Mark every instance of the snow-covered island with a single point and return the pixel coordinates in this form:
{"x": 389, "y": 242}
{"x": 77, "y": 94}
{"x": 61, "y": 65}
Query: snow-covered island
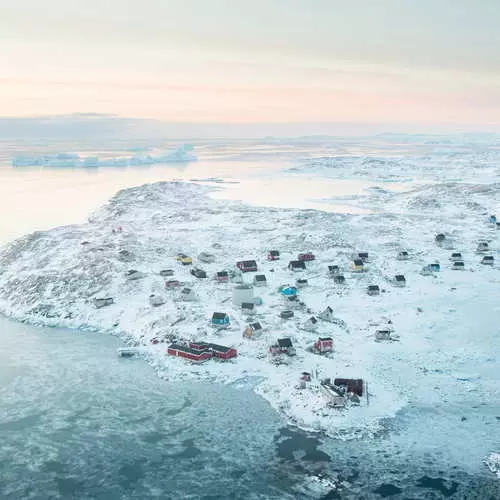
{"x": 121, "y": 273}
{"x": 180, "y": 154}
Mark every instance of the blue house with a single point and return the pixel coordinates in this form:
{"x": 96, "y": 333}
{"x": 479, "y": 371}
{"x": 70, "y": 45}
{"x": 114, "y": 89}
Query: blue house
{"x": 288, "y": 291}
{"x": 220, "y": 319}
{"x": 493, "y": 219}
{"x": 435, "y": 267}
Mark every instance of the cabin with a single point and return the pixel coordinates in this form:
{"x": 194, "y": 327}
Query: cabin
{"x": 133, "y": 274}
{"x": 357, "y": 266}
{"x": 220, "y": 319}
{"x": 283, "y": 346}
{"x": 273, "y": 255}
{"x": 327, "y": 315}
{"x": 363, "y": 256}
{"x": 242, "y": 293}
{"x": 186, "y": 352}
{"x": 288, "y": 291}
{"x": 206, "y": 257}
{"x": 439, "y": 238}
{"x": 260, "y": 280}
{"x": 286, "y": 314}
{"x": 223, "y": 352}
{"x": 339, "y": 279}
{"x": 301, "y": 283}
{"x": 198, "y": 273}
{"x": 399, "y": 280}
{"x": 248, "y": 308}
{"x": 297, "y": 265}
{"x": 253, "y": 330}
{"x": 247, "y": 266}
{"x": 458, "y": 265}
{"x": 403, "y": 255}
{"x": 373, "y": 290}
{"x": 306, "y": 257}
{"x": 222, "y": 277}
{"x": 456, "y": 256}
{"x": 354, "y": 385}
{"x": 311, "y": 325}
{"x": 188, "y": 294}
{"x": 488, "y": 260}
{"x": 323, "y": 345}
{"x": 492, "y": 219}
{"x": 435, "y": 267}
{"x": 333, "y": 270}
{"x": 103, "y": 302}
{"x": 172, "y": 284}
{"x": 482, "y": 246}
{"x": 156, "y": 300}
{"x": 166, "y": 272}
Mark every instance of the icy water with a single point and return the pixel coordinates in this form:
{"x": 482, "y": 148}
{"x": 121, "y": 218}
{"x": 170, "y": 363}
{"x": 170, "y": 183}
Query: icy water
{"x": 78, "y": 422}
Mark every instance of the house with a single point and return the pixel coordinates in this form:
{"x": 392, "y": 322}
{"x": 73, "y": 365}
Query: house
{"x": 339, "y": 279}
{"x": 220, "y": 319}
{"x": 482, "y": 246}
{"x": 246, "y": 266}
{"x": 399, "y": 280}
{"x": 172, "y": 284}
{"x": 288, "y": 291}
{"x": 103, "y": 302}
{"x": 363, "y": 256}
{"x": 456, "y": 256}
{"x": 439, "y": 238}
{"x": 385, "y": 335}
{"x": 493, "y": 219}
{"x": 166, "y": 272}
{"x": 354, "y": 385}
{"x": 286, "y": 314}
{"x": 324, "y": 344}
{"x": 403, "y": 255}
{"x": 198, "y": 273}
{"x": 311, "y": 325}
{"x": 458, "y": 265}
{"x": 133, "y": 274}
{"x": 305, "y": 376}
{"x": 327, "y": 315}
{"x": 284, "y": 346}
{"x": 156, "y": 300}
{"x": 426, "y": 271}
{"x": 259, "y": 280}
{"x": 297, "y": 265}
{"x": 488, "y": 260}
{"x": 301, "y": 283}
{"x": 248, "y": 308}
{"x": 222, "y": 352}
{"x": 184, "y": 259}
{"x": 333, "y": 270}
{"x": 357, "y": 266}
{"x": 373, "y": 290}
{"x": 273, "y": 255}
{"x": 252, "y": 330}
{"x": 188, "y": 294}
{"x": 435, "y": 267}
{"x": 242, "y": 293}
{"x": 186, "y": 352}
{"x": 206, "y": 257}
{"x": 222, "y": 277}
{"x": 307, "y": 256}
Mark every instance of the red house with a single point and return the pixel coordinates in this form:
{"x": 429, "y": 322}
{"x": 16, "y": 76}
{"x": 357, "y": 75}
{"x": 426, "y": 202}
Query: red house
{"x": 246, "y": 266}
{"x": 324, "y": 344}
{"x": 273, "y": 255}
{"x": 354, "y": 385}
{"x": 223, "y": 352}
{"x": 194, "y": 355}
{"x": 172, "y": 284}
{"x": 306, "y": 256}
{"x": 222, "y": 276}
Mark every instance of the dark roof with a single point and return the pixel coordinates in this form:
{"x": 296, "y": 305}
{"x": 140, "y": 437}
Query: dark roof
{"x": 328, "y": 309}
{"x": 256, "y": 326}
{"x": 286, "y": 342}
{"x": 400, "y": 277}
{"x": 363, "y": 254}
{"x": 331, "y": 268}
{"x": 403, "y": 252}
{"x": 373, "y": 287}
{"x": 247, "y": 305}
{"x": 302, "y": 280}
{"x": 184, "y": 348}
{"x": 274, "y": 252}
{"x": 260, "y": 277}
{"x": 456, "y": 254}
{"x": 313, "y": 320}
{"x": 358, "y": 262}
{"x": 339, "y": 278}
{"x": 285, "y": 314}
{"x": 217, "y": 315}
{"x": 488, "y": 257}
{"x": 222, "y": 273}
{"x": 325, "y": 338}
{"x": 248, "y": 263}
{"x": 297, "y": 263}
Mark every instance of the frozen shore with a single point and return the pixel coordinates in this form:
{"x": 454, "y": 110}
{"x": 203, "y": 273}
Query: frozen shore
{"x": 52, "y": 277}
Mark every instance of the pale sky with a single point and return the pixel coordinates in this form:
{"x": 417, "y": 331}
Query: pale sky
{"x": 239, "y": 61}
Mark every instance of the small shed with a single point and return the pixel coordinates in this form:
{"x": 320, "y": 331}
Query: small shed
{"x": 354, "y": 385}
{"x": 301, "y": 283}
{"x": 339, "y": 279}
{"x": 133, "y": 274}
{"x": 399, "y": 280}
{"x": 220, "y": 319}
{"x": 248, "y": 308}
{"x": 273, "y": 255}
{"x": 242, "y": 293}
{"x": 373, "y": 290}
{"x": 482, "y": 246}
{"x": 253, "y": 330}
{"x": 166, "y": 272}
{"x": 156, "y": 300}
{"x": 103, "y": 302}
{"x": 188, "y": 294}
{"x": 223, "y": 352}
{"x": 206, "y": 257}
{"x": 172, "y": 284}
{"x": 311, "y": 325}
{"x": 459, "y": 265}
{"x": 246, "y": 266}
{"x": 357, "y": 266}
{"x": 327, "y": 315}
{"x": 324, "y": 344}
{"x": 307, "y": 256}
{"x": 186, "y": 352}
{"x": 297, "y": 265}
{"x": 403, "y": 255}
{"x": 286, "y": 314}
{"x": 456, "y": 256}
{"x": 198, "y": 273}
{"x": 222, "y": 277}
{"x": 333, "y": 270}
{"x": 488, "y": 260}
{"x": 435, "y": 267}
{"x": 260, "y": 280}
{"x": 383, "y": 335}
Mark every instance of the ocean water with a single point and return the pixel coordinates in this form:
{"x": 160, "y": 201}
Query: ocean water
{"x": 78, "y": 422}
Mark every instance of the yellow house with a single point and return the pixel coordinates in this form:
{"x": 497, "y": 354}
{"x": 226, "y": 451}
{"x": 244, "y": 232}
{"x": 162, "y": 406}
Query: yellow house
{"x": 357, "y": 266}
{"x": 184, "y": 259}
